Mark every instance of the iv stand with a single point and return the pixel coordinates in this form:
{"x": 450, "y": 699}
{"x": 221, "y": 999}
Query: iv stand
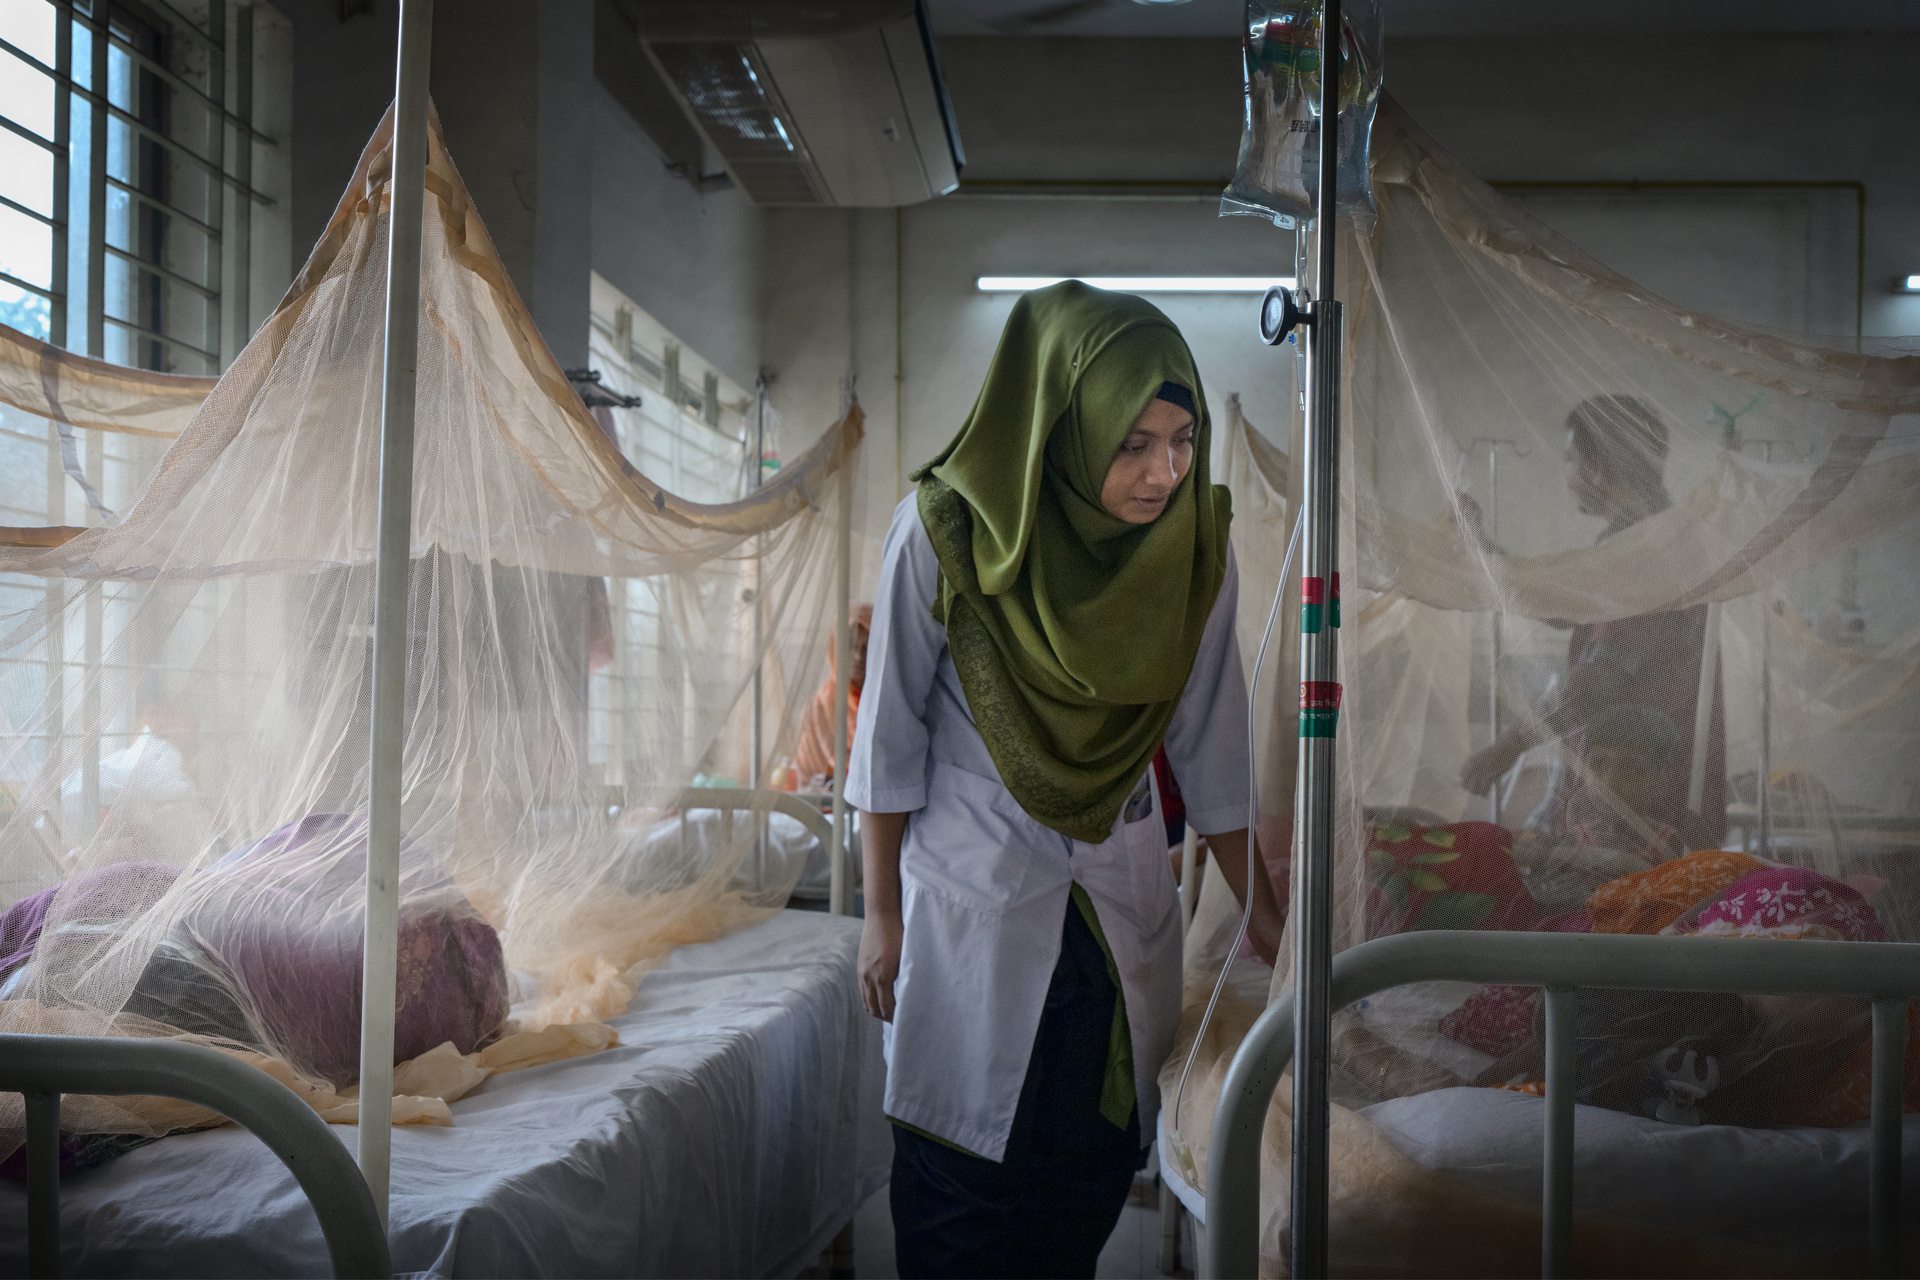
{"x": 1312, "y": 908}
{"x": 1500, "y": 791}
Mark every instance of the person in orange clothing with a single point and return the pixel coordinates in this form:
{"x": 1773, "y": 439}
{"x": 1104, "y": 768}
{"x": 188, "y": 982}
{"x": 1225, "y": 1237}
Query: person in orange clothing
{"x": 813, "y": 755}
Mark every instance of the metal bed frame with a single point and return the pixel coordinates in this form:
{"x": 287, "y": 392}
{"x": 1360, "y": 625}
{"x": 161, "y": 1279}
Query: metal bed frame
{"x": 43, "y": 1067}
{"x": 1886, "y": 973}
{"x": 733, "y": 801}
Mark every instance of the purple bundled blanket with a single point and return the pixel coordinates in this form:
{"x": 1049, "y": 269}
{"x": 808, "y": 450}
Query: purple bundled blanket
{"x": 269, "y": 954}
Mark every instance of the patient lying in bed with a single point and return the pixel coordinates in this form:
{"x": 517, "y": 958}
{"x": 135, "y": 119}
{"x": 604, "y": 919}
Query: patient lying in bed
{"x": 1758, "y": 1060}
{"x": 266, "y": 952}
{"x": 262, "y": 957}
{"x": 1755, "y": 1060}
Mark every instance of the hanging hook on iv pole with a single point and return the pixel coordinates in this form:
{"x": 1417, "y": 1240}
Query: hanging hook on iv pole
{"x": 1504, "y": 786}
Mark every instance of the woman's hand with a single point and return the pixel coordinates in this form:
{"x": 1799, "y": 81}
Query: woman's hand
{"x": 881, "y": 835}
{"x": 1265, "y": 932}
{"x": 1490, "y": 764}
{"x": 1471, "y": 525}
{"x": 879, "y": 964}
{"x": 1229, "y": 849}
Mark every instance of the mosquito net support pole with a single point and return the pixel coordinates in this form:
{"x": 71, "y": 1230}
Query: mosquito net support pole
{"x": 1763, "y": 789}
{"x": 839, "y": 891}
{"x": 1503, "y": 786}
{"x": 400, "y": 359}
{"x": 1556, "y": 1187}
{"x": 754, "y": 745}
{"x": 1883, "y": 1194}
{"x": 1319, "y": 704}
{"x": 1703, "y": 709}
{"x": 1763, "y": 777}
{"x": 1493, "y": 666}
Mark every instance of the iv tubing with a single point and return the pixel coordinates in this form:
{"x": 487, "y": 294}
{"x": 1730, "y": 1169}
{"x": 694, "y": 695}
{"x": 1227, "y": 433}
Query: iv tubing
{"x": 1253, "y": 818}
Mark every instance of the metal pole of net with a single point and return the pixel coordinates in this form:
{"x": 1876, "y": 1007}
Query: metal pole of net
{"x": 840, "y": 878}
{"x": 400, "y": 359}
{"x": 1319, "y": 704}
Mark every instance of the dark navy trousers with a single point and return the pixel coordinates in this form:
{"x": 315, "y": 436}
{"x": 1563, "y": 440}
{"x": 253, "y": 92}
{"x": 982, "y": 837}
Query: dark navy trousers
{"x": 1049, "y": 1206}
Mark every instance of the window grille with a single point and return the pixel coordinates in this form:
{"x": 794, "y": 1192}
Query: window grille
{"x": 691, "y": 434}
{"x": 126, "y": 171}
{"x": 127, "y": 211}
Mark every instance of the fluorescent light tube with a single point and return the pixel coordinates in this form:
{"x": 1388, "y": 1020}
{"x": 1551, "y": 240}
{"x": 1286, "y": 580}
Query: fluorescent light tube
{"x": 1140, "y": 284}
{"x": 1913, "y": 284}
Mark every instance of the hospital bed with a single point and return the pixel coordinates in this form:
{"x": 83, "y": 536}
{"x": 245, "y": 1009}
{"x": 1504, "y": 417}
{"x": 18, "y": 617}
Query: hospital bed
{"x": 1484, "y": 1125}
{"x": 40, "y": 1068}
{"x": 733, "y": 1131}
{"x": 794, "y": 827}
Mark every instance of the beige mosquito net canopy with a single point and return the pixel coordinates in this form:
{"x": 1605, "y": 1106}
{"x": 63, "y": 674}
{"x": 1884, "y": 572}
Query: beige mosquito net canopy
{"x": 183, "y": 840}
{"x": 1665, "y": 677}
{"x": 81, "y": 436}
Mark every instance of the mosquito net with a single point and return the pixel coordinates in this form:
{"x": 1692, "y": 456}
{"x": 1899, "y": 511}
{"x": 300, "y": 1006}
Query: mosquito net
{"x": 79, "y": 437}
{"x": 1629, "y": 645}
{"x": 184, "y": 835}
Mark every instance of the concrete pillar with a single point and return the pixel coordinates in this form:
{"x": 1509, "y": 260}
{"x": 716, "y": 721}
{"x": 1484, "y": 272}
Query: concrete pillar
{"x": 513, "y": 80}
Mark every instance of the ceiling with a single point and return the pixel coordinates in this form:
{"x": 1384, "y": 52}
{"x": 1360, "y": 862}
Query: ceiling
{"x": 1430, "y": 17}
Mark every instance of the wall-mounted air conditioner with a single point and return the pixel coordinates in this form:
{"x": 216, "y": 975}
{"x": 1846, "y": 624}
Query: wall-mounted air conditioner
{"x": 812, "y": 102}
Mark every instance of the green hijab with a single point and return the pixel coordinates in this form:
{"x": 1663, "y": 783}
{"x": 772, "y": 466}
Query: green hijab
{"x": 1073, "y": 631}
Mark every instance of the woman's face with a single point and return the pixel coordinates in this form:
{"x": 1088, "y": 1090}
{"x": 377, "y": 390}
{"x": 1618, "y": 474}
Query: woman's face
{"x": 857, "y": 657}
{"x": 1147, "y": 466}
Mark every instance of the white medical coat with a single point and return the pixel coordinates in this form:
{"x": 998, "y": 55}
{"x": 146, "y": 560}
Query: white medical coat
{"x": 984, "y": 887}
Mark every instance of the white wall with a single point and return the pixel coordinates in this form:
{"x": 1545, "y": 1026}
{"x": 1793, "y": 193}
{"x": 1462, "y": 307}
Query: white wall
{"x": 693, "y": 262}
{"x": 1690, "y": 108}
{"x": 270, "y": 240}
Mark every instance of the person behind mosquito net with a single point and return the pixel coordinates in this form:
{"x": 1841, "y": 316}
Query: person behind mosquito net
{"x": 1055, "y": 602}
{"x": 1612, "y": 825}
{"x": 813, "y": 752}
{"x": 1616, "y": 455}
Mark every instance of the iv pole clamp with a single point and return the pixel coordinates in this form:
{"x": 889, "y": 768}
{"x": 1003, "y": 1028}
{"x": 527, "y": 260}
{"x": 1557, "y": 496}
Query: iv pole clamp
{"x": 1281, "y": 312}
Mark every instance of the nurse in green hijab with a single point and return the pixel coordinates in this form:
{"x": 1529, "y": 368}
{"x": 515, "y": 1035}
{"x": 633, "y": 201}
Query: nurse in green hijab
{"x": 1055, "y": 607}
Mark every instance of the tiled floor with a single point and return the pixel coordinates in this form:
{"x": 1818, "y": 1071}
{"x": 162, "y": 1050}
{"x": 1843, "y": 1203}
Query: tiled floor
{"x": 1132, "y": 1253}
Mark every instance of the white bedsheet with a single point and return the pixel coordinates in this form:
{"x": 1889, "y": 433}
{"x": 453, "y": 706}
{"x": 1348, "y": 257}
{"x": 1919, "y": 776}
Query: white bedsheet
{"x": 1803, "y": 1190}
{"x": 1799, "y": 1189}
{"x": 735, "y": 1128}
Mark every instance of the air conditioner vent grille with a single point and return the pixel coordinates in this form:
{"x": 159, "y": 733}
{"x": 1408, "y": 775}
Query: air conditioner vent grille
{"x": 741, "y": 113}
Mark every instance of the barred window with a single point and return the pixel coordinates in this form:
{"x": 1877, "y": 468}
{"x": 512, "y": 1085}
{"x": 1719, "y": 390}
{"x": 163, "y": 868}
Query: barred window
{"x": 127, "y": 194}
{"x": 139, "y": 145}
{"x": 689, "y": 431}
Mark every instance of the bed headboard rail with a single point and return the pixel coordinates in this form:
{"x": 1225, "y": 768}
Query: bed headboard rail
{"x": 1887, "y": 973}
{"x": 44, "y": 1067}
